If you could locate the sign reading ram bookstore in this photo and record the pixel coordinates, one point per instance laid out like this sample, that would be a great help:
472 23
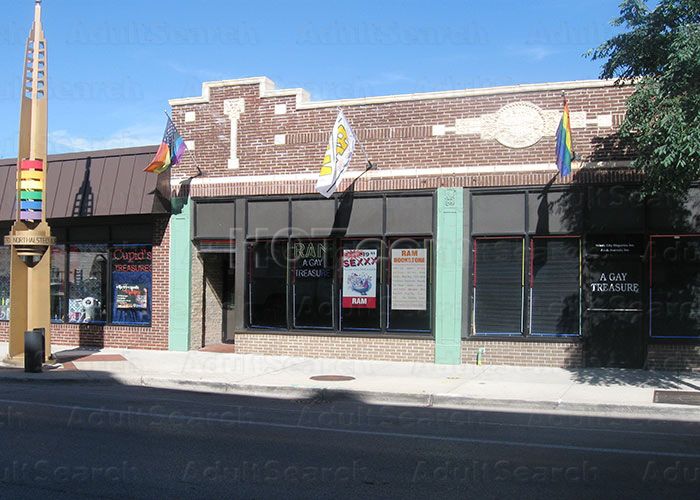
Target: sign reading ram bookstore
408 279
360 279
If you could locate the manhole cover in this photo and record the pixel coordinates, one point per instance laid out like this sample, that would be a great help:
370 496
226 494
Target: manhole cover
332 378
677 397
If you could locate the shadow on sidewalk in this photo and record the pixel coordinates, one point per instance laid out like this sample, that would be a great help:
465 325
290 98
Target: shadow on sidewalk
636 378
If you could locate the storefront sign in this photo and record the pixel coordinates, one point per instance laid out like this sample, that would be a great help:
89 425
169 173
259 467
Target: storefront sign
409 279
614 283
360 279
312 260
37 240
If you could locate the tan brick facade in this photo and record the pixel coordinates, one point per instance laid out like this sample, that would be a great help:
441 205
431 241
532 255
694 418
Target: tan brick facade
556 354
320 346
673 357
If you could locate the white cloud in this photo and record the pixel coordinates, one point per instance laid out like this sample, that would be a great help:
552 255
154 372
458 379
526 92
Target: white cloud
534 52
63 141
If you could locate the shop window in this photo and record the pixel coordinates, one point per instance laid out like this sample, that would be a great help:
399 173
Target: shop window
498 281
5 256
312 283
267 284
131 285
675 287
87 284
360 294
58 283
555 286
409 286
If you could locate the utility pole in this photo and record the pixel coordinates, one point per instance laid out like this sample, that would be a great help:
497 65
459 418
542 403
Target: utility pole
30 237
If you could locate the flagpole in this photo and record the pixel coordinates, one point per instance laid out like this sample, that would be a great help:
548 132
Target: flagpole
194 158
370 165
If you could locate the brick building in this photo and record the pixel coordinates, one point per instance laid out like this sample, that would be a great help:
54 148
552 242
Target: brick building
463 242
506 257
109 267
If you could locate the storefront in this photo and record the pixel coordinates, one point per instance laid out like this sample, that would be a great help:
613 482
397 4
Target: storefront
109 265
464 242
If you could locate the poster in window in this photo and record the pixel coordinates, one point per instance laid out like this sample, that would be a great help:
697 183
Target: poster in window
131 285
131 296
312 261
409 279
360 279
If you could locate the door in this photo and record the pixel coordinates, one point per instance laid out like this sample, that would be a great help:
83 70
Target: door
229 297
613 284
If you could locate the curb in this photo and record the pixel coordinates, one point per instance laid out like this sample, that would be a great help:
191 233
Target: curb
652 411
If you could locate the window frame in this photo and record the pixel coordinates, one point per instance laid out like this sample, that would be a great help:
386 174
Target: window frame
531 283
523 277
650 335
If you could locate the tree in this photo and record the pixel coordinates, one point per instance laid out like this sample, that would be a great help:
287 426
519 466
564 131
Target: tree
660 53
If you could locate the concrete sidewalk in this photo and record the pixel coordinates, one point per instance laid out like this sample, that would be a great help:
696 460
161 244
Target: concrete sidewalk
550 389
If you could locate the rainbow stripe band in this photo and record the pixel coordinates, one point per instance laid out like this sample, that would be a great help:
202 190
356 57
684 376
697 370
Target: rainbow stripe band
31 165
37 175
31 190
30 205
31 195
29 215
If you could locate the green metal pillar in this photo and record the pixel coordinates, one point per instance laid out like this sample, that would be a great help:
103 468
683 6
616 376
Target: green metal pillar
448 276
180 275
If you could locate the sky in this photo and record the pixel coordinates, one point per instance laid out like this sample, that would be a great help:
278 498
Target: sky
112 66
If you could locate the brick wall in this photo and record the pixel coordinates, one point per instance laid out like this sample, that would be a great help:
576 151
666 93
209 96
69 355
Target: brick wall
555 354
397 135
318 346
673 357
153 337
197 301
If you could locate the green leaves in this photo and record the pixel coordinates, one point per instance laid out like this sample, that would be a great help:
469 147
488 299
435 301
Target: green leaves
661 49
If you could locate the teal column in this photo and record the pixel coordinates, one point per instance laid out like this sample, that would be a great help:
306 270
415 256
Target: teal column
180 275
448 276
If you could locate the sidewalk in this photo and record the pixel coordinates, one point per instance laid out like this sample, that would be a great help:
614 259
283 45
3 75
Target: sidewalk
505 387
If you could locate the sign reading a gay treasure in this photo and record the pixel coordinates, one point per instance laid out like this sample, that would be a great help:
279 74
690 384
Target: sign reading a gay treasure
409 279
360 279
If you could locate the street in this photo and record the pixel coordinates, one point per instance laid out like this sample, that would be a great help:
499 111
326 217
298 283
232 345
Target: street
95 441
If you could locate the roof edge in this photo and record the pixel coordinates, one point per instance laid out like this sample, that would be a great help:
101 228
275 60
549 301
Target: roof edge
100 153
267 89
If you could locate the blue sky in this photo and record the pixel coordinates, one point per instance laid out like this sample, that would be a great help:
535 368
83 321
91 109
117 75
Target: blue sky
114 65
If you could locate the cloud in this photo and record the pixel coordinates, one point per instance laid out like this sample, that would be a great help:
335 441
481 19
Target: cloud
63 141
196 73
533 52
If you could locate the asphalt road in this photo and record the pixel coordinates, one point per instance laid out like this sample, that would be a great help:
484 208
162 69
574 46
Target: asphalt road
71 440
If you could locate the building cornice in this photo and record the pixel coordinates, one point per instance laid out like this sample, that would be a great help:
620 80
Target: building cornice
267 89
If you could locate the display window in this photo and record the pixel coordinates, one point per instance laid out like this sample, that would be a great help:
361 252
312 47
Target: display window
361 277
350 285
555 286
267 284
313 283
87 283
498 286
409 282
58 283
674 287
131 279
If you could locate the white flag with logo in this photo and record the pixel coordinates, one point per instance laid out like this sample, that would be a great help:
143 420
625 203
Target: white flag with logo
340 148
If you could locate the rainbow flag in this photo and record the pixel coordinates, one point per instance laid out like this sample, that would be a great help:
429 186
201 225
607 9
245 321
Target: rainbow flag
565 152
170 151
